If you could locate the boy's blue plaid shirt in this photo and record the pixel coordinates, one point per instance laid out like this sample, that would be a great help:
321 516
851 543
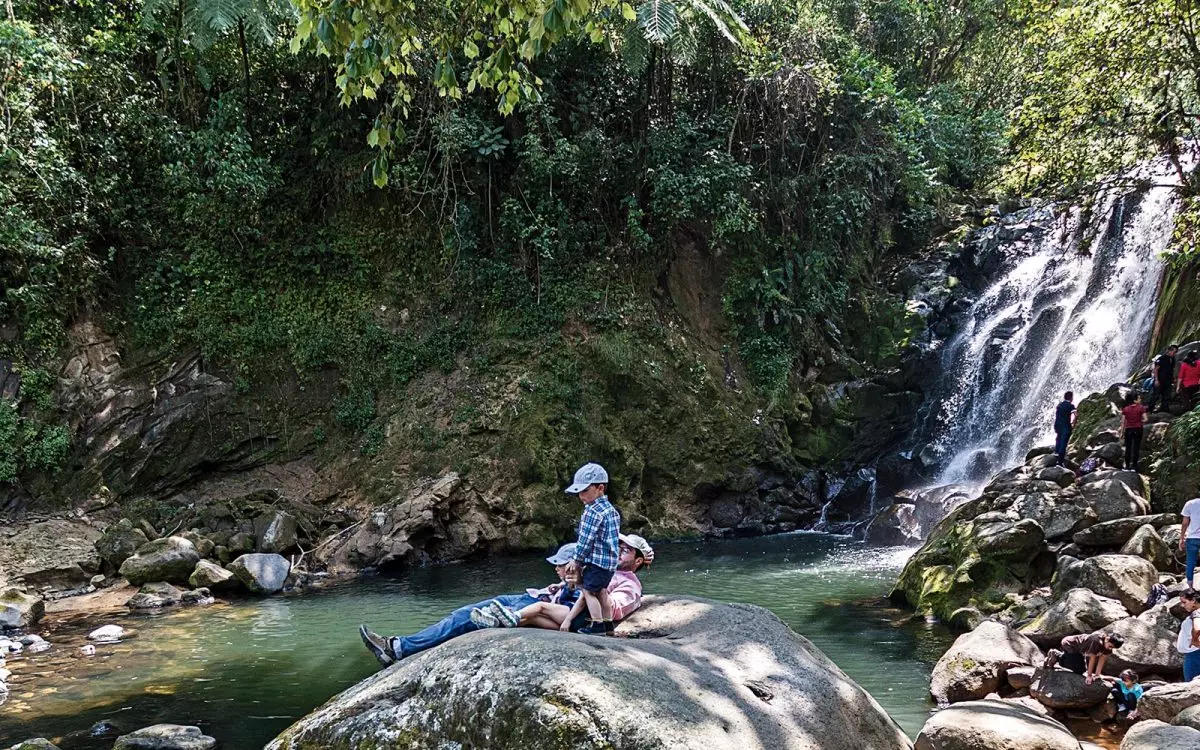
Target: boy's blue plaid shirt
599 532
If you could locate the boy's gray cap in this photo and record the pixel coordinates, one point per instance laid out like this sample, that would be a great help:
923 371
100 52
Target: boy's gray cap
565 554
588 475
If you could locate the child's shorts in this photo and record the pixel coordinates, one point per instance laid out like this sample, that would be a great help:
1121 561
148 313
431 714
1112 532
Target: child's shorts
595 578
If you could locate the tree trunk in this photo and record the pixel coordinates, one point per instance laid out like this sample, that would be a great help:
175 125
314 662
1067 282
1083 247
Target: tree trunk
245 70
9 10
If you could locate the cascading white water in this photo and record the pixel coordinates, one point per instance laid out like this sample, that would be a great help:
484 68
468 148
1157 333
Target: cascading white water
1071 310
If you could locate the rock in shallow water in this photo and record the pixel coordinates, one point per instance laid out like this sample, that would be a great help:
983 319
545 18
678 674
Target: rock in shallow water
166 737
690 673
261 573
20 610
171 559
993 725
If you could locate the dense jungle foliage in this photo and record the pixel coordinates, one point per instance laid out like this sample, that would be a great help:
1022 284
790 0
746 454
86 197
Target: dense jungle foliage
390 186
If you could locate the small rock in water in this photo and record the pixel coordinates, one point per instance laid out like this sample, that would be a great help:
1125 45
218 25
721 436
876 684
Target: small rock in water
38 647
37 743
108 633
198 598
165 737
88 650
104 728
4 675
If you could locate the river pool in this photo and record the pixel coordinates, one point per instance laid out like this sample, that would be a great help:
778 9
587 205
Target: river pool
244 671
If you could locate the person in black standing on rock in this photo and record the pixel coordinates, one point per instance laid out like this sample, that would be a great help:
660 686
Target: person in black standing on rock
1133 420
1064 422
1164 379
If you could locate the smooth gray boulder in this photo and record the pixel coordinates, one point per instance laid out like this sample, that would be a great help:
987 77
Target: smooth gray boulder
166 737
894 526
993 725
37 743
1117 532
154 596
975 665
690 673
211 576
1148 545
1113 499
19 609
1126 578
1080 611
1060 475
1057 515
1063 689
1157 735
1188 717
1149 643
1167 701
108 634
275 531
261 573
170 559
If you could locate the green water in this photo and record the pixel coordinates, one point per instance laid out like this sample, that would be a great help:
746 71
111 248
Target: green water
244 671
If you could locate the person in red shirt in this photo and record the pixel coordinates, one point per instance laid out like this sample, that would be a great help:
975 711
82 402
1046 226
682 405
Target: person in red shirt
1189 377
1133 419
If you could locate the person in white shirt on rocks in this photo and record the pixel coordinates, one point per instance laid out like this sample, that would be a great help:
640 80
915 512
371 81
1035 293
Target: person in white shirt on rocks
1188 643
1189 536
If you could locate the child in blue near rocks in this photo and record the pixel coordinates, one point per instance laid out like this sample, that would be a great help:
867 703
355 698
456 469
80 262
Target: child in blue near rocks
596 548
1127 692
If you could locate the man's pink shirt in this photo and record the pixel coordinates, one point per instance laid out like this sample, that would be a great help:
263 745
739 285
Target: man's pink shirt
625 594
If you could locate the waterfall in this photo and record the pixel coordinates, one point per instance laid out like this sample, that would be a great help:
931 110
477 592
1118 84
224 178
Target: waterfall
1071 309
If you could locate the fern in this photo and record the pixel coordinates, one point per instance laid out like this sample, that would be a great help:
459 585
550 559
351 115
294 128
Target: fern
723 17
635 50
659 20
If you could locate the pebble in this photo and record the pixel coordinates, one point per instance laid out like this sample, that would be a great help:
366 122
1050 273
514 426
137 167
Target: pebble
88 650
4 675
38 647
29 640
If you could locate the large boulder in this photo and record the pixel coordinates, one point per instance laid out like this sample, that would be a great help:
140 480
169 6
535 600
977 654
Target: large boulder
1080 611
170 559
1117 532
166 737
261 573
1156 735
119 543
975 665
37 743
691 673
1188 717
1165 702
1148 545
1064 689
1149 643
1126 578
993 725
1113 499
19 609
275 531
209 575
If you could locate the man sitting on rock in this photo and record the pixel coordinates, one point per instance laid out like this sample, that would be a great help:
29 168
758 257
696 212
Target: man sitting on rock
625 591
1085 654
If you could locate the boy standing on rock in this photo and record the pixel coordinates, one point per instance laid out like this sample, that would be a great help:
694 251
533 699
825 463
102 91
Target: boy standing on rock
596 547
1085 654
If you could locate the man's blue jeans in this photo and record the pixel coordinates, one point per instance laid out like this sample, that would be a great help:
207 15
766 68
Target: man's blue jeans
1193 550
452 625
1061 438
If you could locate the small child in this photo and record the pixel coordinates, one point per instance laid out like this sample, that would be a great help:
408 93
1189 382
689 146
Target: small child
1127 692
596 549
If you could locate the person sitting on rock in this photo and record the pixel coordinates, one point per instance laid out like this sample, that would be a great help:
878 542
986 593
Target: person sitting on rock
563 594
1188 642
624 591
1085 654
459 622
1133 420
1127 692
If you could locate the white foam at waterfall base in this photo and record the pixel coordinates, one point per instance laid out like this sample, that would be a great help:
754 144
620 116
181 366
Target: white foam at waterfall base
1064 315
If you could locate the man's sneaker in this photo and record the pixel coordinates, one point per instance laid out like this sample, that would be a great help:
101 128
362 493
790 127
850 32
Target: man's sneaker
609 627
597 627
505 615
1051 658
483 618
377 645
